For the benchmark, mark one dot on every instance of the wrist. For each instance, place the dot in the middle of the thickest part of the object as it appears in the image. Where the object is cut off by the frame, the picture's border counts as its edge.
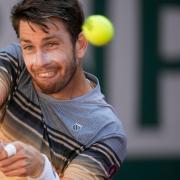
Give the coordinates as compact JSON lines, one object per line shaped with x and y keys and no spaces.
{"x":40,"y":167}
{"x":48,"y":172}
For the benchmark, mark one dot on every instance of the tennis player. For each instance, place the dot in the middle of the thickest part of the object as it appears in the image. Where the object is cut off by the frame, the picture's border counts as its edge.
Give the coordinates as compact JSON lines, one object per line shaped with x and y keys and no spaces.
{"x":55,"y":123}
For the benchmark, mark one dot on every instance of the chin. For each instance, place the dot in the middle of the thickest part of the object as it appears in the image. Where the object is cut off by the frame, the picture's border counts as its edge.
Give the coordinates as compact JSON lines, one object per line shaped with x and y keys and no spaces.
{"x":50,"y":90}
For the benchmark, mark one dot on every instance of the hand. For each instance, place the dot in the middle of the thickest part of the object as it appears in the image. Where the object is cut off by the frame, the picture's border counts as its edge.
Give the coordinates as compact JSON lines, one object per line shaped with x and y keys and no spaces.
{"x":26,"y":162}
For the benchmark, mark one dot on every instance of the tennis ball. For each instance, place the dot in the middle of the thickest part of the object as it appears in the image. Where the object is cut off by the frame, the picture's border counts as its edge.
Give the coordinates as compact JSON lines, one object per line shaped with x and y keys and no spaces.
{"x":98,"y":30}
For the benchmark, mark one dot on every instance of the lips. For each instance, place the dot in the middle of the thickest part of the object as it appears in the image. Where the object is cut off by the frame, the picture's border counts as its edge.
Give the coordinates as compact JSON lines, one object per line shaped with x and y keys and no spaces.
{"x":44,"y":71}
{"x":47,"y":74}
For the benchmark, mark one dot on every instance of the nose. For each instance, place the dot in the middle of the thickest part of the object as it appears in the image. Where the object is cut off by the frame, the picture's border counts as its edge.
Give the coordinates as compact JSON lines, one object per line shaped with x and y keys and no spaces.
{"x":41,"y":58}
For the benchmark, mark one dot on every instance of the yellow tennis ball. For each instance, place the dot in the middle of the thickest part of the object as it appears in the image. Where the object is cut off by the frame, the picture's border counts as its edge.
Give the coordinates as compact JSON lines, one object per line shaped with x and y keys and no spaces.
{"x":98,"y":30}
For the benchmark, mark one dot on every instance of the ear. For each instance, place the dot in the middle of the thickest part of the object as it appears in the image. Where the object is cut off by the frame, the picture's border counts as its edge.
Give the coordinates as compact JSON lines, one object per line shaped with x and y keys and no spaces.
{"x":81,"y":46}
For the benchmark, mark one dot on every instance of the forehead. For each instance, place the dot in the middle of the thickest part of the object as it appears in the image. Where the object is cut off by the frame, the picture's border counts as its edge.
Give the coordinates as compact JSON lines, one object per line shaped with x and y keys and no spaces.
{"x":28,"y":29}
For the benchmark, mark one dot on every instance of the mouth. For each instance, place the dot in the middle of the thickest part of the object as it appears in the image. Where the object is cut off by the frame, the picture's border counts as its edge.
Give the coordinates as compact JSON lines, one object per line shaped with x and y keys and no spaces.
{"x":47,"y":74}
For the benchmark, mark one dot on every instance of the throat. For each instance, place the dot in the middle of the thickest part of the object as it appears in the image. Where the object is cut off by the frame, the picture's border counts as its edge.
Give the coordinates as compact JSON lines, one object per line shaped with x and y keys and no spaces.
{"x":78,"y":86}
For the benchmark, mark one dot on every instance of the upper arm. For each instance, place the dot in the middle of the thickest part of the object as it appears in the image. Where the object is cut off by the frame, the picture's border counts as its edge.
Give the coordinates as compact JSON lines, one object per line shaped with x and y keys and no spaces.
{"x":9,"y":70}
{"x":4,"y":87}
{"x":100,"y":161}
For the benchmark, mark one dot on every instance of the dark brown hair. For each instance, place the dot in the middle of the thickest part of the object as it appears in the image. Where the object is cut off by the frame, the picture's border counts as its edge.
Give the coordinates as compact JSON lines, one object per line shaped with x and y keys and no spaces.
{"x":40,"y":12}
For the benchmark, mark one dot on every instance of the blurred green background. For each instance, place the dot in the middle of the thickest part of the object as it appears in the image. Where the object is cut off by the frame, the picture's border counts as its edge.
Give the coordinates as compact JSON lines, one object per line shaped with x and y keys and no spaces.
{"x":153,"y":64}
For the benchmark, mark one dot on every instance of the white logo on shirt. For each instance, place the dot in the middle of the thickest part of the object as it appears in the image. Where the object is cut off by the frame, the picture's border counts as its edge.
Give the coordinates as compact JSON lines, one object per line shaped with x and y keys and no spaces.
{"x":77,"y":127}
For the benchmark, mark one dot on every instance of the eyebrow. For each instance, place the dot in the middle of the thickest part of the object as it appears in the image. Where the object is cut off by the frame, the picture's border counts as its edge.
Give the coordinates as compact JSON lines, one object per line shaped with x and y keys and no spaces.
{"x":25,"y":40}
{"x":45,"y":39}
{"x":50,"y":37}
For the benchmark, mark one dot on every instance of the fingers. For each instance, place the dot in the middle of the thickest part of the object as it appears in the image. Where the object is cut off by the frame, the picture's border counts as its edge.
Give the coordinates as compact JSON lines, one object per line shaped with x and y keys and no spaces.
{"x":2,"y":153}
{"x":26,"y":162}
{"x":21,"y":172}
{"x":18,"y":166}
{"x":15,"y":165}
{"x":7,"y":161}
{"x":7,"y":150}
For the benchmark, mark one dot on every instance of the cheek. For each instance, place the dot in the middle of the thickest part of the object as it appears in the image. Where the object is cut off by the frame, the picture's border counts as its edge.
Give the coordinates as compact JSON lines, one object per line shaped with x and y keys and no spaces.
{"x":29,"y":60}
{"x":51,"y":56}
{"x":60,"y":59}
{"x":38,"y":60}
{"x":57,"y":57}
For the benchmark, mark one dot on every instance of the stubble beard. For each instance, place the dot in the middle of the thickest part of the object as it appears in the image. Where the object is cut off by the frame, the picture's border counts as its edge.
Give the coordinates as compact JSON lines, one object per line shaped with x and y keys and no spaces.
{"x":61,"y":83}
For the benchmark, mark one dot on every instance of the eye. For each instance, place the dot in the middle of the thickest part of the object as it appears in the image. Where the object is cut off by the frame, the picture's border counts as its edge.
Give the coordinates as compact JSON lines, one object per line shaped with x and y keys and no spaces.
{"x":52,"y":44}
{"x":28,"y":48}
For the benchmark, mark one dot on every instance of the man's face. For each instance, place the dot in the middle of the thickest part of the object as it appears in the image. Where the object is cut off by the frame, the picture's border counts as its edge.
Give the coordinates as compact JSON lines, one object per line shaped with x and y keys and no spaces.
{"x":49,"y":57}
